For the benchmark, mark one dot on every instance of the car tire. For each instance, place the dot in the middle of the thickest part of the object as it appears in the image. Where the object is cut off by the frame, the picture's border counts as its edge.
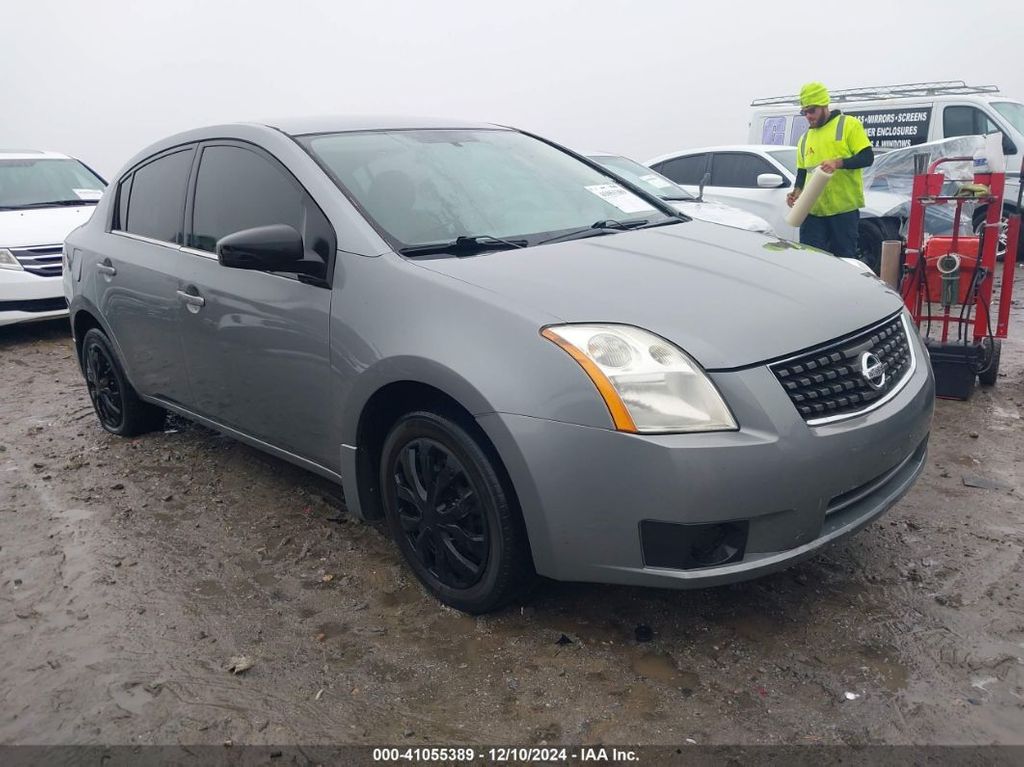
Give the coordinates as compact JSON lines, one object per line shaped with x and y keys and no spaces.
{"x":451,"y":510}
{"x":979,"y":221}
{"x":991,"y":351}
{"x":117,"y":405}
{"x":871,"y":234}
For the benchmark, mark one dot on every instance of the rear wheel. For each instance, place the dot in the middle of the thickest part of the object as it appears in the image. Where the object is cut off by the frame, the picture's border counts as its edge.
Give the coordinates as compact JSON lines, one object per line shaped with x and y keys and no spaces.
{"x":452,"y":513}
{"x":116,"y":403}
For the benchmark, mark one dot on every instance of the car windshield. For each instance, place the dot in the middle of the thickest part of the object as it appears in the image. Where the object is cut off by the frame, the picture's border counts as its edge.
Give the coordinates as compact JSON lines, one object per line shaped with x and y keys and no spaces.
{"x":40,"y":183}
{"x":643,"y":177}
{"x":1013,"y":111}
{"x":786,"y":157}
{"x":422,"y":187}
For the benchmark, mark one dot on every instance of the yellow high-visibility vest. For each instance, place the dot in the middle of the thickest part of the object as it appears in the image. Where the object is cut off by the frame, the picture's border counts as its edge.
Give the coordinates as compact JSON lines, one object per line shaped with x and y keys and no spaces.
{"x":842,"y":136}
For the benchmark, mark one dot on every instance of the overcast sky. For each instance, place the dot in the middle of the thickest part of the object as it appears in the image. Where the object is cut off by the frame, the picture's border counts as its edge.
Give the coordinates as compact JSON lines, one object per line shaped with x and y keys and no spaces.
{"x":100,"y":80}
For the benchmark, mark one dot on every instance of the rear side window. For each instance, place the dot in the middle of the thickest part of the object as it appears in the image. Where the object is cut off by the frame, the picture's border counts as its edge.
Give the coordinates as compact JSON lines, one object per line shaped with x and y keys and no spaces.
{"x":239,"y":188}
{"x":683,"y":170}
{"x":738,"y":169}
{"x":157,"y":200}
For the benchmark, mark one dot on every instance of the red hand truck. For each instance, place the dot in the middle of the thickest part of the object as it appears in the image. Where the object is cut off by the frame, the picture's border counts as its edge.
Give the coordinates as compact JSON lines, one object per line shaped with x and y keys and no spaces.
{"x":948,"y":281}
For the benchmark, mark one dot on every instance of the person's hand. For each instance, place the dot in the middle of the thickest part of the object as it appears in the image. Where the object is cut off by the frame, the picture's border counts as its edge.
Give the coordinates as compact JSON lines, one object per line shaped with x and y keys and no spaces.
{"x":792,"y":197}
{"x":831,"y":166}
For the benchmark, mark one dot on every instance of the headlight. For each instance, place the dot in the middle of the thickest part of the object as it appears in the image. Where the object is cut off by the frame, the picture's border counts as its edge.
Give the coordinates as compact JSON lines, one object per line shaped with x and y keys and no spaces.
{"x":8,"y":261}
{"x":648,"y":384}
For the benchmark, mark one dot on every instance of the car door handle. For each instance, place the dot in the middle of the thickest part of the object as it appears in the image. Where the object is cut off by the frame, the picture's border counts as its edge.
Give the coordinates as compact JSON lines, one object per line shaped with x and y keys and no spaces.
{"x":106,"y":269}
{"x":191,"y":299}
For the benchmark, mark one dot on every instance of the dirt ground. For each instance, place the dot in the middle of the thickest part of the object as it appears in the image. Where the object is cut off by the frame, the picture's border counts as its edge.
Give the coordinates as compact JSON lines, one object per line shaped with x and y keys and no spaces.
{"x":131,"y":571}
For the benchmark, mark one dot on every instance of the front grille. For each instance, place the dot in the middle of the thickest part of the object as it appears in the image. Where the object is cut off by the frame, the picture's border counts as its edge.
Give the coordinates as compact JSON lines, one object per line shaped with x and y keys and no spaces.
{"x":827,"y":383}
{"x":44,"y":260}
{"x":34,"y":305}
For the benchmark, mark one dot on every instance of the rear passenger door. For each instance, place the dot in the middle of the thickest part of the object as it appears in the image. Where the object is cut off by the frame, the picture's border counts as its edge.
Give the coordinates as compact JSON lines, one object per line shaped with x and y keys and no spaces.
{"x":687,"y":171}
{"x":140,"y":271}
{"x":256,"y":342}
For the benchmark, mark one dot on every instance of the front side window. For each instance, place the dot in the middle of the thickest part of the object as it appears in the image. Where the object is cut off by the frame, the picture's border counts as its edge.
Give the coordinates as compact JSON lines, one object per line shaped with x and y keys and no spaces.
{"x":738,"y":169}
{"x":966,"y":121}
{"x":424,"y":187}
{"x":47,"y":183}
{"x":239,"y":188}
{"x":684,"y":170}
{"x":157,"y":197}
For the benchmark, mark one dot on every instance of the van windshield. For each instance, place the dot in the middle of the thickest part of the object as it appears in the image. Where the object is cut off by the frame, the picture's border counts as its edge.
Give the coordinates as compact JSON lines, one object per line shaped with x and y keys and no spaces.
{"x":1013,"y":112}
{"x":422,"y":187}
{"x":47,"y":183}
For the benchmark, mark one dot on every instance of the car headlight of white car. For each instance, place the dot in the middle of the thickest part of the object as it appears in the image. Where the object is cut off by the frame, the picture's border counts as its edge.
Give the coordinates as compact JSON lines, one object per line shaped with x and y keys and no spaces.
{"x":8,"y":261}
{"x":649,"y":384}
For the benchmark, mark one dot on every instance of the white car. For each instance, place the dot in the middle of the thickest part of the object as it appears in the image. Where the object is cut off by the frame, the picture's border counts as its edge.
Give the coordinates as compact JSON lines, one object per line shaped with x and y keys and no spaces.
{"x":43,"y":196}
{"x":757,"y":178}
{"x":679,"y":198}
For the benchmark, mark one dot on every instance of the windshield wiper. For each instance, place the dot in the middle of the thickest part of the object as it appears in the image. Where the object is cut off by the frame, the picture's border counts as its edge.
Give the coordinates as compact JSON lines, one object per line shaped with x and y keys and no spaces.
{"x":598,"y":227}
{"x":57,"y":204}
{"x":464,"y":246}
{"x":679,"y":198}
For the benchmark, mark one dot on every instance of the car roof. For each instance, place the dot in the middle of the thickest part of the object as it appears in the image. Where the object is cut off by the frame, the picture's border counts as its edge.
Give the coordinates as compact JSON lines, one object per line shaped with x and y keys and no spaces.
{"x":722,"y":148}
{"x":298,"y":126}
{"x":31,"y":154}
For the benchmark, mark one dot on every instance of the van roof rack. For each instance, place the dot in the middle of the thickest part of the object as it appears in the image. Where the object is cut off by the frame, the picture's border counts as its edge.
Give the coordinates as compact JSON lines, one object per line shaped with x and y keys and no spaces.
{"x":883,"y":92}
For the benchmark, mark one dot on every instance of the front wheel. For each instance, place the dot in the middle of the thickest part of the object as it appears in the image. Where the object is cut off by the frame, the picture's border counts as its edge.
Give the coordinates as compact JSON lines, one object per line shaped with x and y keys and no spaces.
{"x":979,"y":226}
{"x":116,"y":403}
{"x":453,"y":514}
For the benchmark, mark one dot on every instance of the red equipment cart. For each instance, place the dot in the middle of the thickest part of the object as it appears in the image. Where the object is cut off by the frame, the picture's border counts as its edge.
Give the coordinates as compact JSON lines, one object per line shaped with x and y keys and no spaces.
{"x":948,"y":281}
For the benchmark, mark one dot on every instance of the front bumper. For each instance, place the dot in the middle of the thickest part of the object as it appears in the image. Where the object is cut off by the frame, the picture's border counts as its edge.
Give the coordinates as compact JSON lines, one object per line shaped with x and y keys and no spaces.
{"x":26,"y":297}
{"x":585,"y":491}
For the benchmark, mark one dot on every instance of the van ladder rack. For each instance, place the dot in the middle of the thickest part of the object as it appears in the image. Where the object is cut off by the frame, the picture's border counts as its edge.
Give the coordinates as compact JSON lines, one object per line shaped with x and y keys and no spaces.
{"x":883,"y":92}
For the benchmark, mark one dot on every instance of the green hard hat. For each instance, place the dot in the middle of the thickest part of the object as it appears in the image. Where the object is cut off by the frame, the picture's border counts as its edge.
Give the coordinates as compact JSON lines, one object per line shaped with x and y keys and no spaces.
{"x":814,"y":95}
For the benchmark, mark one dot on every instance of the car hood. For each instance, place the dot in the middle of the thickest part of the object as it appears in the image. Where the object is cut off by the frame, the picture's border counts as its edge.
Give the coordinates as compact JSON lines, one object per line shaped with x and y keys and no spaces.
{"x":40,"y":226}
{"x":878,"y":203}
{"x":728,"y":297}
{"x":717,"y":213}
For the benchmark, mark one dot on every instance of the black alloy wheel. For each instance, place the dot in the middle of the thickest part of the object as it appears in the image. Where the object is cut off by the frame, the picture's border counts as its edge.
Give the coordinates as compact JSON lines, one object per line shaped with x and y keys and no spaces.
{"x":452,"y":512}
{"x":440,"y":514}
{"x":115,"y":401}
{"x":104,"y":387}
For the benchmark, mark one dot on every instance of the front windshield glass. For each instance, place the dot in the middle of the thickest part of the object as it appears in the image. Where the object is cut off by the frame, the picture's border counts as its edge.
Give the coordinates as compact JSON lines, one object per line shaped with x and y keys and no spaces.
{"x":36,"y":183}
{"x":1013,"y":111}
{"x":785,"y":156}
{"x":643,"y":177}
{"x":432,"y":186}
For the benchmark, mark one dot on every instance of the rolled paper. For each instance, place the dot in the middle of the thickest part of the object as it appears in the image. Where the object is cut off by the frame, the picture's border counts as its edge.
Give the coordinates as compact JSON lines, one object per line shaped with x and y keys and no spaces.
{"x":808,"y":197}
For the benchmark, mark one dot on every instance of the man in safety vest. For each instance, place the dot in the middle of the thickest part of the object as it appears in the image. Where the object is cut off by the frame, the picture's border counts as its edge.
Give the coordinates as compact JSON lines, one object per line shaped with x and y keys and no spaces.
{"x":836,"y":143}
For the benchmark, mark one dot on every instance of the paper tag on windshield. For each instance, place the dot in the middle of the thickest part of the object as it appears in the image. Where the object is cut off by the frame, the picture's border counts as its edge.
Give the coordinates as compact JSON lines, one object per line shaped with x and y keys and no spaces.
{"x":657,"y":181}
{"x":621,"y":198}
{"x":88,"y":194}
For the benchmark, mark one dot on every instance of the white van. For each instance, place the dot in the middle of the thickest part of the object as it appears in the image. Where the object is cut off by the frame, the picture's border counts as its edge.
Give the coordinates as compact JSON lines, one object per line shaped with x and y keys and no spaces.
{"x":896,"y":116}
{"x":43,"y":196}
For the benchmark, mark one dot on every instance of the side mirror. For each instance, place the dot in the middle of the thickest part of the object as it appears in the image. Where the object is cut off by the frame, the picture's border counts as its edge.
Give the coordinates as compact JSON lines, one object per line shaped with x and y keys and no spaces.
{"x":275,"y":248}
{"x":1009,"y":148}
{"x":770,"y":180}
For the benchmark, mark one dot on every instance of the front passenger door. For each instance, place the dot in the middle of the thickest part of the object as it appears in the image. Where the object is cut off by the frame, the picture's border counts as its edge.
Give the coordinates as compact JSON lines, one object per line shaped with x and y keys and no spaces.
{"x":256,"y":342}
{"x":734,"y":182}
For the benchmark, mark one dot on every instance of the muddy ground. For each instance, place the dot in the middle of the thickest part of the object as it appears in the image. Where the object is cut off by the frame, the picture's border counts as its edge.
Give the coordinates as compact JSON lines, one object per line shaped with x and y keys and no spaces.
{"x":132,"y":570}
